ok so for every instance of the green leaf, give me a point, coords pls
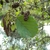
(2, 24)
(1, 16)
(17, 13)
(25, 3)
(27, 28)
(0, 6)
(13, 27)
(2, 13)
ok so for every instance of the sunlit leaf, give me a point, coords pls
(25, 3)
(13, 27)
(0, 6)
(17, 13)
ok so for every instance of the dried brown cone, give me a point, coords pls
(7, 1)
(15, 5)
(26, 15)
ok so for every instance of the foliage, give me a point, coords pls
(23, 20)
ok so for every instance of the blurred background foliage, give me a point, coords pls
(39, 9)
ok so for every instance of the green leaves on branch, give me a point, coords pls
(27, 28)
